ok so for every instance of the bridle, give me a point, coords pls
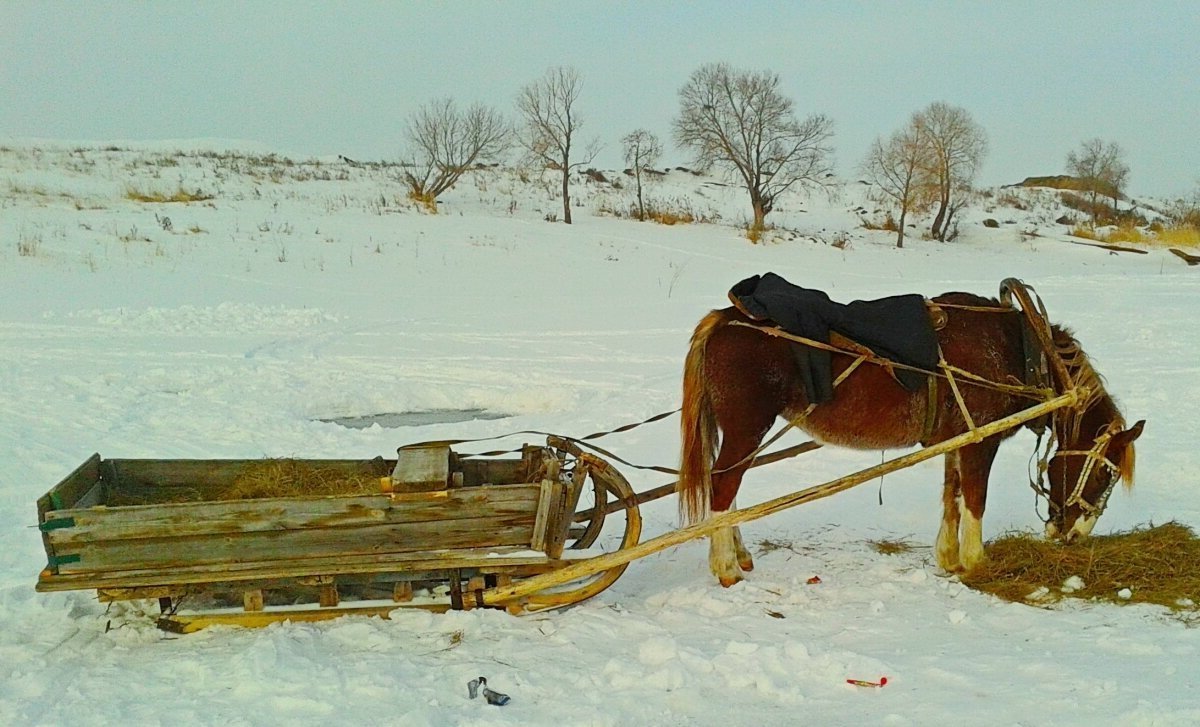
(1095, 457)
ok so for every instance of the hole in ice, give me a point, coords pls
(392, 420)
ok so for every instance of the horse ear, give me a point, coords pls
(1128, 436)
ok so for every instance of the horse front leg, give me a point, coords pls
(947, 539)
(974, 466)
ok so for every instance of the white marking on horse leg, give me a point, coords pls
(745, 561)
(971, 554)
(722, 557)
(947, 539)
(1082, 528)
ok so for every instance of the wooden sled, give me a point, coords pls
(439, 532)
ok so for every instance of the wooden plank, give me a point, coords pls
(518, 560)
(247, 516)
(564, 510)
(178, 552)
(542, 521)
(478, 472)
(71, 489)
(252, 600)
(422, 469)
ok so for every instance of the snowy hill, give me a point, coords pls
(279, 294)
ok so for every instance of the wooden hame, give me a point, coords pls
(440, 531)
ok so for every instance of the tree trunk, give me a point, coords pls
(637, 174)
(760, 214)
(566, 193)
(936, 229)
(900, 227)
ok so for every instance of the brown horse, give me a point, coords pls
(738, 380)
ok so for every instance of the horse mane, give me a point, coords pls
(1079, 366)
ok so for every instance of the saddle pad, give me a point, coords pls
(896, 328)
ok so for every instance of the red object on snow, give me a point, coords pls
(860, 683)
(814, 580)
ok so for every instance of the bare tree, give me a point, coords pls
(956, 146)
(740, 121)
(446, 142)
(642, 150)
(1101, 169)
(895, 167)
(551, 125)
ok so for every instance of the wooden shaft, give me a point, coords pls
(503, 594)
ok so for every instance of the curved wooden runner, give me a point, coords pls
(531, 589)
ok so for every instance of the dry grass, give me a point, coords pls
(1185, 236)
(891, 547)
(1127, 233)
(1159, 565)
(1086, 233)
(180, 195)
(1182, 236)
(295, 478)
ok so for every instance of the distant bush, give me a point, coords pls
(677, 211)
(889, 223)
(1103, 213)
(426, 200)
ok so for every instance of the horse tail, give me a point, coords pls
(698, 427)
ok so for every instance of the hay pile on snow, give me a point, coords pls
(1158, 565)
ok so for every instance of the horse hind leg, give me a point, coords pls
(727, 554)
(947, 539)
(722, 557)
(745, 561)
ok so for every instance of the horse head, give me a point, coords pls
(1093, 454)
(1094, 451)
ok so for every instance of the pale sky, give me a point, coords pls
(342, 77)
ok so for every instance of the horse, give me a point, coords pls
(738, 380)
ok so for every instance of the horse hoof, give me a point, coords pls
(746, 565)
(730, 581)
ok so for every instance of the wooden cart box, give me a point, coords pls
(467, 524)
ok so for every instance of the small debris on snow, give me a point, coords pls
(1125, 594)
(1038, 594)
(1072, 584)
(860, 683)
(475, 685)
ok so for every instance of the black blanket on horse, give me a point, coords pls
(895, 328)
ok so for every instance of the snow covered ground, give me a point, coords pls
(305, 291)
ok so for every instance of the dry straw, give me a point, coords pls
(296, 478)
(1145, 565)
